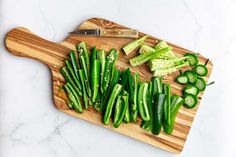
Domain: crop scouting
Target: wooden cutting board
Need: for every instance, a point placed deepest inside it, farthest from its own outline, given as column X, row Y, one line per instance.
column 21, row 42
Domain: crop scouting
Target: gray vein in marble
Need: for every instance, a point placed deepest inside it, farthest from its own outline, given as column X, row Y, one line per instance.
column 57, row 132
column 12, row 132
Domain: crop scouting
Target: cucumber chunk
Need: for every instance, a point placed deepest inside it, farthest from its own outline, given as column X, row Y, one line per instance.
column 191, row 89
column 133, row 45
column 192, row 76
column 192, row 58
column 200, row 70
column 182, row 79
column 190, row 101
column 200, row 84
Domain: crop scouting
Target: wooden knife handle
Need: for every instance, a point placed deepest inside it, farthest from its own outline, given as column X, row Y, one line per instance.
column 121, row 33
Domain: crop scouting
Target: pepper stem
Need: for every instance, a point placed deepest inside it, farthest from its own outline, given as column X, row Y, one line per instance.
column 211, row 83
column 206, row 62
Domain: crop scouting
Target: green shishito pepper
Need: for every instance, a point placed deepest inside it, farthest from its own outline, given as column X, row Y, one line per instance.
column 70, row 104
column 105, row 96
column 176, row 103
column 76, row 79
column 167, row 109
column 68, row 78
column 167, row 104
column 74, row 63
column 130, row 86
column 109, row 69
column 95, row 74
column 114, row 94
column 130, row 90
column 155, row 87
column 159, row 101
column 126, row 118
column 83, row 51
column 85, row 97
column 142, row 101
column 102, row 58
column 148, row 125
column 73, row 97
column 86, row 75
column 120, row 109
column 134, row 108
column 124, row 82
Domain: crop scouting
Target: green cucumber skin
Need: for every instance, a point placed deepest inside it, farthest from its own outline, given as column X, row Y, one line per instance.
column 187, row 89
column 133, row 45
column 191, row 58
column 203, row 83
column 192, row 76
column 194, row 99
column 178, row 79
column 196, row 70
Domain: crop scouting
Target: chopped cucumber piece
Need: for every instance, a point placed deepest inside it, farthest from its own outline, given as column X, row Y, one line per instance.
column 161, row 45
column 200, row 70
column 191, row 89
column 169, row 54
column 190, row 101
column 200, row 84
column 192, row 58
column 140, row 59
column 163, row 72
column 182, row 79
column 192, row 76
column 146, row 49
column 134, row 44
column 160, row 64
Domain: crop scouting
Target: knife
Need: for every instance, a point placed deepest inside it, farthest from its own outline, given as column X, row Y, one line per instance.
column 120, row 33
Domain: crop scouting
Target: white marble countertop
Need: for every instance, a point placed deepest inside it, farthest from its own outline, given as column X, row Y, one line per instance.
column 30, row 125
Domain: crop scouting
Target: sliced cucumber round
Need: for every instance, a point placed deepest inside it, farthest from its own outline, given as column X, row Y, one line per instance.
column 190, row 101
column 191, row 89
column 192, row 58
column 200, row 84
column 200, row 70
column 182, row 79
column 192, row 76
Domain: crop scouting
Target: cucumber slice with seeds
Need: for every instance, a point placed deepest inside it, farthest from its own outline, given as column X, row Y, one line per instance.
column 192, row 76
column 192, row 58
column 182, row 79
column 200, row 84
column 191, row 89
column 190, row 101
column 200, row 70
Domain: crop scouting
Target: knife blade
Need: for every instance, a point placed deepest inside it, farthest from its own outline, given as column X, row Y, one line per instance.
column 119, row 33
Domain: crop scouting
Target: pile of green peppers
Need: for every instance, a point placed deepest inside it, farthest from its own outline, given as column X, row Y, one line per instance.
column 92, row 80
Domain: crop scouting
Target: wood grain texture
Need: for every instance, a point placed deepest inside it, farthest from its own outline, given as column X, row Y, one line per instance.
column 22, row 42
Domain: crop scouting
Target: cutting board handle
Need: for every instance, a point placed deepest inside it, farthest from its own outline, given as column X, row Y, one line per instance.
column 22, row 42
